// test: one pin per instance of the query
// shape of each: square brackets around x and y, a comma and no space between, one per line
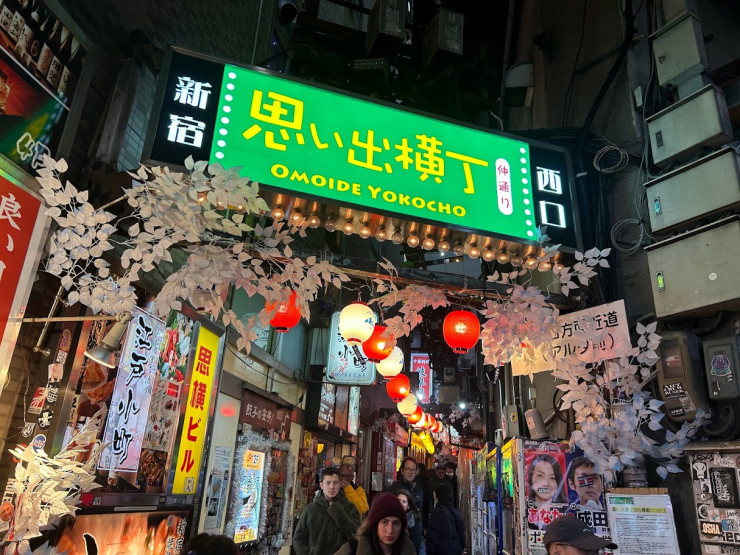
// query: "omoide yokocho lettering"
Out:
[376,193]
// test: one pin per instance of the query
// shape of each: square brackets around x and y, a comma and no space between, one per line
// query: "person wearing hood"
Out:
[446,530]
[329,521]
[383,532]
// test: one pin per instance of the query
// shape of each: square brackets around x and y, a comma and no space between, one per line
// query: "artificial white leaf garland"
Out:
[214,214]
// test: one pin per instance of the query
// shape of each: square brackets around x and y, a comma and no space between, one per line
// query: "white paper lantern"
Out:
[356,323]
[408,405]
[392,365]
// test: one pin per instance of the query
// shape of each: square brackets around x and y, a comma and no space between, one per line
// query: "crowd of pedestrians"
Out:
[417,515]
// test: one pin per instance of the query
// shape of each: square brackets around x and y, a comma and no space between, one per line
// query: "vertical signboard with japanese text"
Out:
[420,365]
[324,144]
[20,237]
[132,394]
[41,62]
[204,368]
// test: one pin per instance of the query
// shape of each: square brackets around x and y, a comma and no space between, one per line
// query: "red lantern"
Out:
[461,330]
[287,314]
[421,424]
[380,344]
[431,422]
[398,388]
[415,416]
[437,427]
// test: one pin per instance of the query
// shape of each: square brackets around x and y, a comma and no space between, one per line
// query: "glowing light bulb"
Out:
[314,221]
[488,255]
[473,251]
[412,240]
[502,257]
[545,266]
[397,236]
[331,224]
[458,249]
[531,262]
[348,227]
[428,243]
[365,231]
[381,234]
[443,245]
[516,260]
[277,213]
[296,216]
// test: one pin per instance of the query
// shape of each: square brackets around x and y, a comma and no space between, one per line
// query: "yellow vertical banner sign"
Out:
[194,426]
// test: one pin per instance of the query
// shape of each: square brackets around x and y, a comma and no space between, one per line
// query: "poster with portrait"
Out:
[545,489]
[586,493]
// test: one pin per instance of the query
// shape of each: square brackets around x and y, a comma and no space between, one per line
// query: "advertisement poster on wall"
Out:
[41,62]
[157,533]
[247,518]
[217,490]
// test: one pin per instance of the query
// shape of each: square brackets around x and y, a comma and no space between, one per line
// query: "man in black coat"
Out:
[405,480]
[446,530]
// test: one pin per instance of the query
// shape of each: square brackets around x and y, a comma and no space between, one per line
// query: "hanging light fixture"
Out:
[461,330]
[408,406]
[381,234]
[365,231]
[431,422]
[428,243]
[392,365]
[314,221]
[412,240]
[356,322]
[437,427]
[474,251]
[287,314]
[277,213]
[331,224]
[104,353]
[443,245]
[398,388]
[379,345]
[397,237]
[415,416]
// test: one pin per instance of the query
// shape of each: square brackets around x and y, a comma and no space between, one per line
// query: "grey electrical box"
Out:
[448,394]
[721,359]
[701,119]
[694,191]
[679,52]
[698,272]
[680,379]
[444,33]
[386,25]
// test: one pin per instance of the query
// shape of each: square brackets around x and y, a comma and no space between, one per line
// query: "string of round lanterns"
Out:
[415,416]
[392,365]
[461,330]
[287,314]
[379,345]
[356,323]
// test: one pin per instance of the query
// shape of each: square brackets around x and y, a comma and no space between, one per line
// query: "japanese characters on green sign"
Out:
[319,143]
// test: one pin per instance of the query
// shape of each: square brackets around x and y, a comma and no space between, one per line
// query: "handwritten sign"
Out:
[572,339]
[346,364]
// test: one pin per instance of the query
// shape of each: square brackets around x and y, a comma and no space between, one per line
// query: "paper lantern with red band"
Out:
[461,330]
[421,424]
[379,345]
[415,416]
[287,314]
[356,322]
[391,365]
[398,388]
[437,427]
[431,421]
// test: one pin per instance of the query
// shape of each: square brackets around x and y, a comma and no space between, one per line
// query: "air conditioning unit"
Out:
[696,273]
[675,200]
[682,129]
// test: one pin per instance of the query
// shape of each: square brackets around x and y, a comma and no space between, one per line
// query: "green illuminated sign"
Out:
[314,142]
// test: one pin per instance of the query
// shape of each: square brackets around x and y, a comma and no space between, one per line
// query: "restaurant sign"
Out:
[324,144]
[263,414]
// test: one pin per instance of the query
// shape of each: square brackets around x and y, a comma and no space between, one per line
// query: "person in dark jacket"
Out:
[327,523]
[413,517]
[208,544]
[406,477]
[383,532]
[450,468]
[446,530]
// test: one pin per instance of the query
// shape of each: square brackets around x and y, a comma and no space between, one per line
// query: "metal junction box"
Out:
[679,52]
[697,273]
[697,190]
[699,120]
[721,362]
